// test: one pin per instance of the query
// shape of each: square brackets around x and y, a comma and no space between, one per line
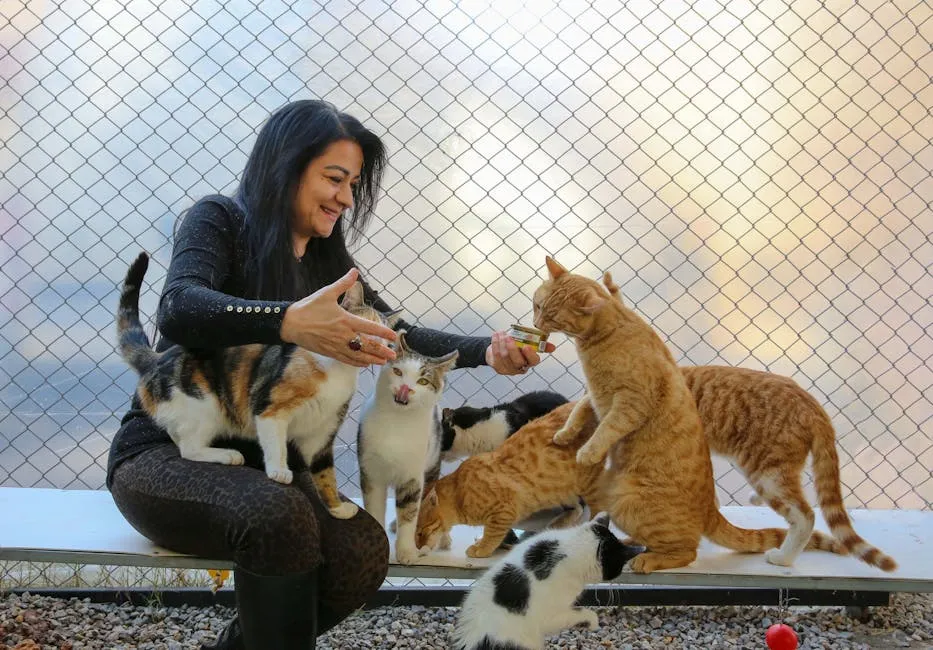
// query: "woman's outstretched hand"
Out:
[318,323]
[506,358]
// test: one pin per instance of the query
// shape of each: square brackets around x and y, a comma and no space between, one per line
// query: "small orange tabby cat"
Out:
[659,486]
[496,489]
[767,425]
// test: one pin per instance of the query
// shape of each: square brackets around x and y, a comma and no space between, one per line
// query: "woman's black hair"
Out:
[290,139]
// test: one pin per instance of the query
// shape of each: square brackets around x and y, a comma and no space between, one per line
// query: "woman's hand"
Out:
[506,358]
[318,323]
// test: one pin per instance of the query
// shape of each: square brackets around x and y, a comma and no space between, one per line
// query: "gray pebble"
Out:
[908,622]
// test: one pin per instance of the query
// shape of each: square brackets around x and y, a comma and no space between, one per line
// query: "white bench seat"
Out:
[85,527]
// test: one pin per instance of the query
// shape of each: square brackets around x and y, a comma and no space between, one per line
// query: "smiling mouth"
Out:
[333,214]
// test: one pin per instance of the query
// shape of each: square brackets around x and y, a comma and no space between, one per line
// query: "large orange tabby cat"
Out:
[767,425]
[499,488]
[659,486]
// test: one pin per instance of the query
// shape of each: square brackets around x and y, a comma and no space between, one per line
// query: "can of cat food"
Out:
[529,336]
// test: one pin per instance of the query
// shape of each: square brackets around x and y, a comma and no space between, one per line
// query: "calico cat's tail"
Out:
[131,337]
[826,482]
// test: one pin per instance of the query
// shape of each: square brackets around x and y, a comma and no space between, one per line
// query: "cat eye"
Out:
[423,381]
[397,371]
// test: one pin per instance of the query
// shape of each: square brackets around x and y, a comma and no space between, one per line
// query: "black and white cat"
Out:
[399,440]
[470,430]
[530,593]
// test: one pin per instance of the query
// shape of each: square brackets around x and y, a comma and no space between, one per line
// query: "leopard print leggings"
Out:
[237,513]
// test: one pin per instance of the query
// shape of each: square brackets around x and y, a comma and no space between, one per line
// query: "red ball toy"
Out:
[781,637]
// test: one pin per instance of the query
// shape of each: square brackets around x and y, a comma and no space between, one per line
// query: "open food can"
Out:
[529,336]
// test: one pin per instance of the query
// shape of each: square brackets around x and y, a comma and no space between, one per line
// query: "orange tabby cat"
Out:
[659,486]
[498,488]
[767,425]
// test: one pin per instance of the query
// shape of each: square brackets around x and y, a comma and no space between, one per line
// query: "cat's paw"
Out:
[231,457]
[641,564]
[564,436]
[589,619]
[590,455]
[407,555]
[345,510]
[283,475]
[756,499]
[445,542]
[776,557]
[476,550]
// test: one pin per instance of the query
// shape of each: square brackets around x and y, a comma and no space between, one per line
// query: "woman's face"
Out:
[326,189]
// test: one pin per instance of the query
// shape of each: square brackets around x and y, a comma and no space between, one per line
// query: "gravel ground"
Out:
[33,623]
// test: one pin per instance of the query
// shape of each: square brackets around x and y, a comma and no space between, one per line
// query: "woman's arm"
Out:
[434,343]
[193,312]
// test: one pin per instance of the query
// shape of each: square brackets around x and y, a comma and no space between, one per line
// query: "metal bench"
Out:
[85,527]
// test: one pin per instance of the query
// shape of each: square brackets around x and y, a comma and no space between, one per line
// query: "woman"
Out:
[269,267]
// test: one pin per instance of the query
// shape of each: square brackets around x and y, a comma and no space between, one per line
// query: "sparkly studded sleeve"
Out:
[199,307]
[434,343]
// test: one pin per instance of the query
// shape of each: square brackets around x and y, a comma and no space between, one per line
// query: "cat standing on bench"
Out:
[399,440]
[781,424]
[659,485]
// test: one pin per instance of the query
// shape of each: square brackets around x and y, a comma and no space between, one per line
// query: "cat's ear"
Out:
[447,413]
[447,361]
[403,343]
[593,302]
[353,297]
[554,269]
[430,497]
[602,519]
[392,317]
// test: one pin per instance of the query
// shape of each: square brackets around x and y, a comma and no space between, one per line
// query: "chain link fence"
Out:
[756,175]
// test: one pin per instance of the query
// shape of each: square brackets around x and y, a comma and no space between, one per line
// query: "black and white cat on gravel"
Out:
[530,593]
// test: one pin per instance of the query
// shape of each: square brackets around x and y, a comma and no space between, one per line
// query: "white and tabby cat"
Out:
[399,440]
[530,593]
[471,430]
[274,394]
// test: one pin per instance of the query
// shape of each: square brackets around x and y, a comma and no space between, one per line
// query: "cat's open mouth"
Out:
[401,395]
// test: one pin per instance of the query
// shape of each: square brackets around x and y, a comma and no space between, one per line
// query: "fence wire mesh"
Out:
[756,175]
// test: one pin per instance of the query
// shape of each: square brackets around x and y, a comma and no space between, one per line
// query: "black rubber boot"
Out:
[273,613]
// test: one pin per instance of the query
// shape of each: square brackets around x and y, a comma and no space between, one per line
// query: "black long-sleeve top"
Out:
[202,307]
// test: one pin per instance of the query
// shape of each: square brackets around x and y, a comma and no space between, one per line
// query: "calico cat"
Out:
[497,489]
[767,425]
[399,440]
[470,430]
[659,485]
[271,393]
[530,593]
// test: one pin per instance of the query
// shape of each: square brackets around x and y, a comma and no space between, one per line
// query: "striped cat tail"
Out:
[745,540]
[828,491]
[131,337]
